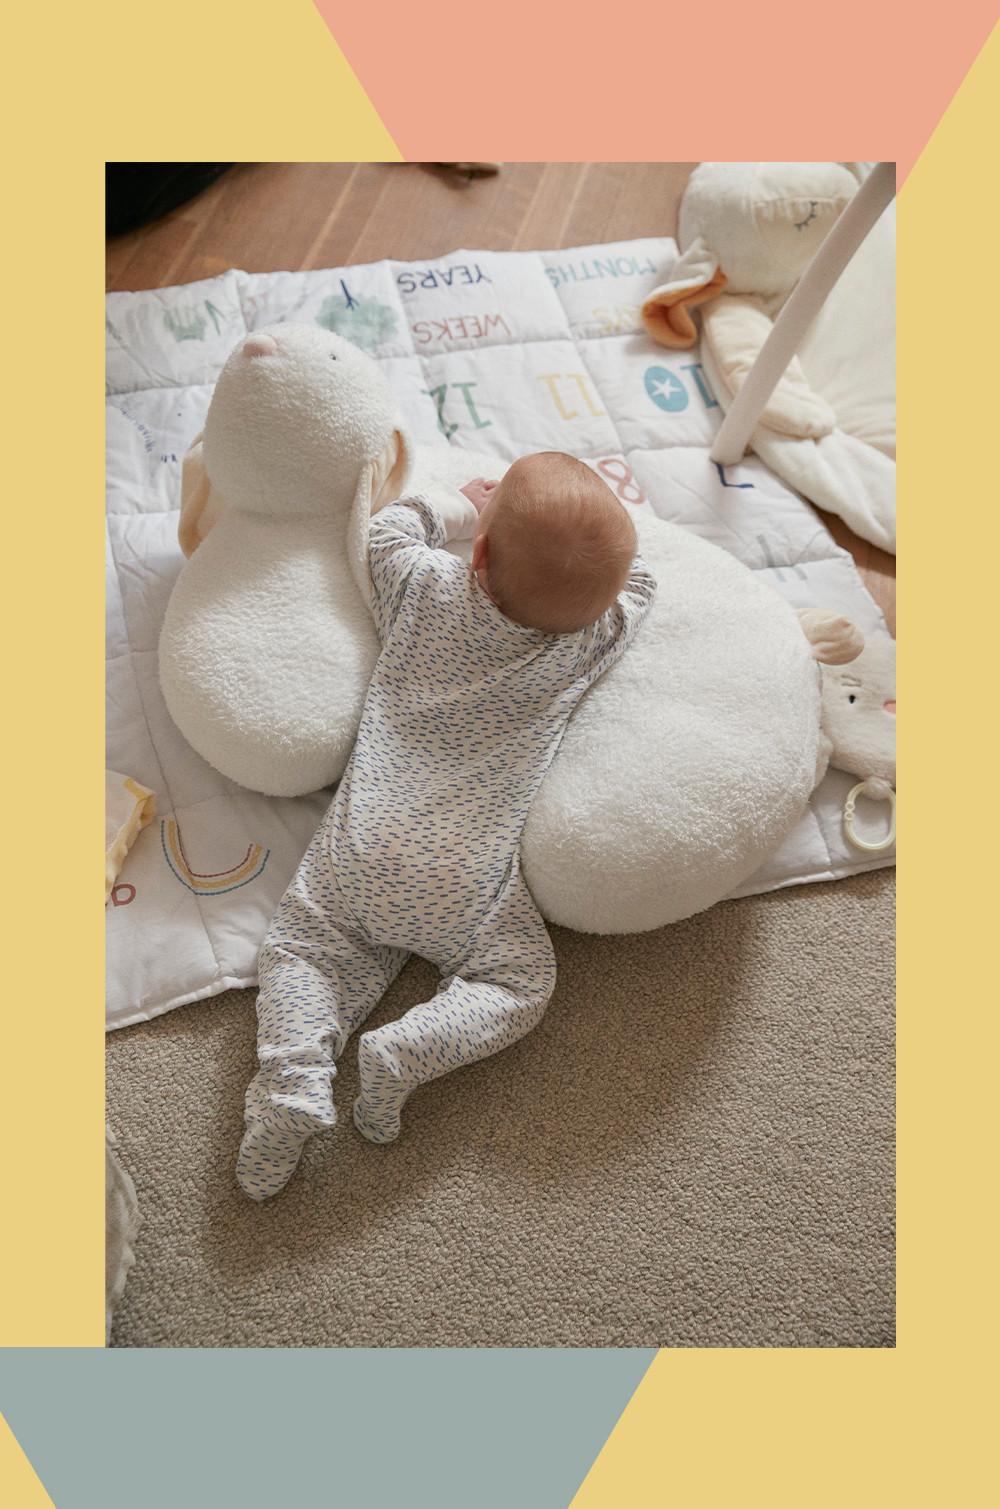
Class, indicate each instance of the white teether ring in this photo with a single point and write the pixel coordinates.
(862, 789)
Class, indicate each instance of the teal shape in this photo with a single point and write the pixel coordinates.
(185, 323)
(444, 1428)
(366, 322)
(666, 389)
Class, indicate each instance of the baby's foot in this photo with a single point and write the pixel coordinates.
(377, 1126)
(268, 1158)
(377, 1108)
(279, 1123)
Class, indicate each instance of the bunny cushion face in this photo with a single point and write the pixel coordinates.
(297, 415)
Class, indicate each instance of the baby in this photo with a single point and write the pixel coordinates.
(479, 673)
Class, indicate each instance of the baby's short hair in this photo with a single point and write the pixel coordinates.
(560, 544)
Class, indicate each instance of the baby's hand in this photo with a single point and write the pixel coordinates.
(478, 492)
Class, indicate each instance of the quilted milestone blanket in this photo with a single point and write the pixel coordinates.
(498, 352)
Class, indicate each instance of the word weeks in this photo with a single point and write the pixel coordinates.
(460, 327)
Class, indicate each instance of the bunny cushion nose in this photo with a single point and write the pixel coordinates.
(260, 345)
(890, 706)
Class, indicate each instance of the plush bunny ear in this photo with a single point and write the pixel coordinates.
(835, 640)
(666, 313)
(201, 507)
(381, 482)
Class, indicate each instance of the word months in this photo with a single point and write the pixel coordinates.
(592, 268)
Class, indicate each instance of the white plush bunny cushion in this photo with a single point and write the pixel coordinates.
(256, 675)
(688, 763)
(268, 644)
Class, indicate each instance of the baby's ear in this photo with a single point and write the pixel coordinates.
(480, 552)
(696, 278)
(835, 640)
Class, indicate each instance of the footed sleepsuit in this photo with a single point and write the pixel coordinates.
(419, 851)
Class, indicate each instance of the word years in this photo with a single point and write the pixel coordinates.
(441, 277)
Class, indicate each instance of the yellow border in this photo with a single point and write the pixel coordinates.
(908, 1426)
(224, 77)
(22, 1488)
(704, 1428)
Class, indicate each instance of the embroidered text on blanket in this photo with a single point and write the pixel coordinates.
(441, 277)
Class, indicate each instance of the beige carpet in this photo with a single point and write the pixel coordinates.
(695, 1148)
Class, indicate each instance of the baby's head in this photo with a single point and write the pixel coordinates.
(554, 545)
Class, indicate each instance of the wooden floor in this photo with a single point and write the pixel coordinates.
(269, 217)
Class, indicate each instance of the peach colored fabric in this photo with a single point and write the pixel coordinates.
(858, 81)
(672, 312)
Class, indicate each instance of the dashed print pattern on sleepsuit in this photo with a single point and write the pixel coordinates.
(418, 852)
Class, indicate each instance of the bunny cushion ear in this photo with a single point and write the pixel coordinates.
(201, 507)
(381, 482)
(666, 313)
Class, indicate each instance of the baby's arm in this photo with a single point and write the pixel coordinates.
(403, 535)
(608, 639)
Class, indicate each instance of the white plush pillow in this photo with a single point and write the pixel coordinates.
(267, 650)
(688, 763)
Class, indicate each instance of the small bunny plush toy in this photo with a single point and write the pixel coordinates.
(859, 727)
(857, 714)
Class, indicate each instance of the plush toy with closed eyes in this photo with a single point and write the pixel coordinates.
(746, 233)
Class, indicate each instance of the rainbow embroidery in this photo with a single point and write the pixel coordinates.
(249, 867)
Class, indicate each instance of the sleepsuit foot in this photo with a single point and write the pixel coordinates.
(319, 979)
